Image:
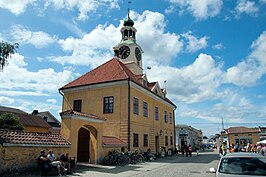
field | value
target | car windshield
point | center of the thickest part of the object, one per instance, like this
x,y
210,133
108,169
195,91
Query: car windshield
x,y
243,166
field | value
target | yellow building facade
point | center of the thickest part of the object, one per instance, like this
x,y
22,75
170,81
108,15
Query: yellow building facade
x,y
240,135
116,100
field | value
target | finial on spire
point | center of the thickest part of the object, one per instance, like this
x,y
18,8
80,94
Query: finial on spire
x,y
128,10
128,21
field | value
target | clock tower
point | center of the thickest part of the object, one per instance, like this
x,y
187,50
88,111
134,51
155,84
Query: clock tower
x,y
127,50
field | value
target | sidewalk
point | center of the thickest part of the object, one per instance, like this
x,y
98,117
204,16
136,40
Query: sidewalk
x,y
97,170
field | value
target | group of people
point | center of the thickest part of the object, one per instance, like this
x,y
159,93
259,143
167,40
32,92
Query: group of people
x,y
48,161
188,150
253,148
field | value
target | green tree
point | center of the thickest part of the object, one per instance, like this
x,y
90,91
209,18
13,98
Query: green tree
x,y
6,50
10,121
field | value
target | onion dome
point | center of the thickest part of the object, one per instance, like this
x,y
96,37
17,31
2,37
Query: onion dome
x,y
128,22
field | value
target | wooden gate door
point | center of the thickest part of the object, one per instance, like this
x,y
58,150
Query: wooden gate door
x,y
83,145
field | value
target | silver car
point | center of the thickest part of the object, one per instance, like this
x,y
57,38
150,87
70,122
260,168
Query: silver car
x,y
241,164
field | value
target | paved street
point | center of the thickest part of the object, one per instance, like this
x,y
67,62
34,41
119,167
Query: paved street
x,y
177,165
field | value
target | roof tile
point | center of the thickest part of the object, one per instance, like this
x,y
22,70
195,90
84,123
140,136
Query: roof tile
x,y
33,138
112,70
113,141
242,130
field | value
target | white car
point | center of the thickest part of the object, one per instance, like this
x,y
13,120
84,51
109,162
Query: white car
x,y
241,164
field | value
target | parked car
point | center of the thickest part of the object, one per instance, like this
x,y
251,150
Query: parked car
x,y
241,164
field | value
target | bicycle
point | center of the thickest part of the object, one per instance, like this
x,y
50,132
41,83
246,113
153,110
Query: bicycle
x,y
116,158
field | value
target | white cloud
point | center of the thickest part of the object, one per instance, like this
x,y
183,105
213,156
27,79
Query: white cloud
x,y
202,9
94,48
39,39
39,83
190,84
233,108
218,46
53,101
21,93
84,7
263,1
247,72
6,101
259,49
17,7
244,73
71,27
194,44
169,10
247,7
153,38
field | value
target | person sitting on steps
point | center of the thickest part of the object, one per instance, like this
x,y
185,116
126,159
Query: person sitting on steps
x,y
54,162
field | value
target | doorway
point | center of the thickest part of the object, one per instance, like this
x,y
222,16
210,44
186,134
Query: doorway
x,y
157,144
83,145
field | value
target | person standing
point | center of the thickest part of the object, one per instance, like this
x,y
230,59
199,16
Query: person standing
x,y
236,147
223,148
197,149
186,150
190,150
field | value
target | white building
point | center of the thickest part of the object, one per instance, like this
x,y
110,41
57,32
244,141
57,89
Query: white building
x,y
187,135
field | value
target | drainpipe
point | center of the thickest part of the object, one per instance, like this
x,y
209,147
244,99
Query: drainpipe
x,y
70,106
174,129
128,116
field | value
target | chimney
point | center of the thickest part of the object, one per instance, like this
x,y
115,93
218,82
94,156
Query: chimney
x,y
35,112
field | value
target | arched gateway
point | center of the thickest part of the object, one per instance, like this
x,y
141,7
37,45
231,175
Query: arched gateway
x,y
84,132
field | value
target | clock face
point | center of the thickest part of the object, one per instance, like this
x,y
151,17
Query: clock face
x,y
124,52
138,53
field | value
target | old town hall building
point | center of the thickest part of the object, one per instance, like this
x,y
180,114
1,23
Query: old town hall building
x,y
114,106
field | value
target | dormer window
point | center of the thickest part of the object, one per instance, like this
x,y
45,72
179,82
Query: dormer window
x,y
144,82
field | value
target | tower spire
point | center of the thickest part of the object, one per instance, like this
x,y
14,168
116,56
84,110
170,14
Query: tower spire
x,y
128,9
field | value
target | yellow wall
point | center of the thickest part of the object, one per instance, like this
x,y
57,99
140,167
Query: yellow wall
x,y
148,125
233,137
35,129
117,122
69,130
17,158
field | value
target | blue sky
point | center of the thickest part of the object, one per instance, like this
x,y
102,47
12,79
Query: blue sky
x,y
212,53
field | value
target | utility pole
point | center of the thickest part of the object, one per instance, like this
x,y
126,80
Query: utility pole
x,y
222,123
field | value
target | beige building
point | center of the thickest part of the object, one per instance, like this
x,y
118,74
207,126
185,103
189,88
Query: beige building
x,y
114,106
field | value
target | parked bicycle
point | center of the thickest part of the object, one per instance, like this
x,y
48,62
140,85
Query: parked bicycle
x,y
135,157
116,158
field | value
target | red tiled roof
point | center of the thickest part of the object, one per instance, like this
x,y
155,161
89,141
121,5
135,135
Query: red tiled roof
x,y
16,138
71,112
29,120
112,70
113,141
241,130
